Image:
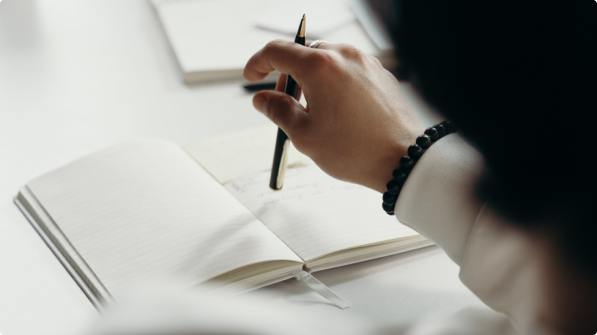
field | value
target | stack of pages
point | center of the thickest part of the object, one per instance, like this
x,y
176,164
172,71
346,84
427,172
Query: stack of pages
x,y
148,212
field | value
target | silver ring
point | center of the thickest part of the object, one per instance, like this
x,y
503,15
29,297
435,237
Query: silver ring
x,y
316,43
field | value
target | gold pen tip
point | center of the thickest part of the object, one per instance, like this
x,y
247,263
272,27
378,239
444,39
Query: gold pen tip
x,y
301,29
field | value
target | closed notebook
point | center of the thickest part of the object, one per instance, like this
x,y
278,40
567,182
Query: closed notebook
x,y
213,39
147,212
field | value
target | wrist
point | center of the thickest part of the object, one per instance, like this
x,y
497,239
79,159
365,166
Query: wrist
x,y
397,148
408,161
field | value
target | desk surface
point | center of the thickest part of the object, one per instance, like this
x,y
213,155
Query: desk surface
x,y
77,76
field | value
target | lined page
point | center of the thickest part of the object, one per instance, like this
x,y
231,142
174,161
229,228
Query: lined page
x,y
144,211
315,214
241,153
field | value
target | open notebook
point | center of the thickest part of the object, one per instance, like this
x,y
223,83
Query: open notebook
x,y
146,212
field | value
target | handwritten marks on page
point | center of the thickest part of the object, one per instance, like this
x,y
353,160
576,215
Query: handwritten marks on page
x,y
315,214
242,153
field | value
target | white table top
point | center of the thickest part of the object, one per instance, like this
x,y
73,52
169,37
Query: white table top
x,y
77,76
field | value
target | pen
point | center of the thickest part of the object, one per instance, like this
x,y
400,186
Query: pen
x,y
282,142
260,86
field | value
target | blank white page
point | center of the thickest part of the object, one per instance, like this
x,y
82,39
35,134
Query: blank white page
x,y
145,211
315,214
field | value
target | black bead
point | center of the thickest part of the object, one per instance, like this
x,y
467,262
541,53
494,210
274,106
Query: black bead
x,y
389,199
387,208
440,130
424,141
390,213
432,133
415,151
399,176
393,187
406,163
449,126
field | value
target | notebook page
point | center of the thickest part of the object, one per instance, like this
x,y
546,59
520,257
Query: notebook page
x,y
144,211
240,153
315,214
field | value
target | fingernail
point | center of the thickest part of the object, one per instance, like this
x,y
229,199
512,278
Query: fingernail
x,y
259,101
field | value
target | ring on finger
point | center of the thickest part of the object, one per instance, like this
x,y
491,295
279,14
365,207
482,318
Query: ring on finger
x,y
316,43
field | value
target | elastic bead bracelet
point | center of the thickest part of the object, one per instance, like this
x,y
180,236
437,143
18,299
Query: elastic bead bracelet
x,y
414,152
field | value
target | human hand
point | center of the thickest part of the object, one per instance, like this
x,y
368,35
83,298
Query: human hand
x,y
357,124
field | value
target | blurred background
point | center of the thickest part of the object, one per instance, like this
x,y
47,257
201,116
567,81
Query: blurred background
x,y
80,75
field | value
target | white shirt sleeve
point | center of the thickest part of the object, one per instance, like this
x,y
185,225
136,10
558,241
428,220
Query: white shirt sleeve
x,y
495,258
438,198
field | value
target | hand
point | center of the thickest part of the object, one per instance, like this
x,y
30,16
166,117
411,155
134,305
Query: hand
x,y
357,124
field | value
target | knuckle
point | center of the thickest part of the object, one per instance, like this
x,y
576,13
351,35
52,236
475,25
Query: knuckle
x,y
345,47
273,45
322,60
374,61
354,53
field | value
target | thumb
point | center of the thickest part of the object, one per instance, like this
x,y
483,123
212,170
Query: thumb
x,y
282,109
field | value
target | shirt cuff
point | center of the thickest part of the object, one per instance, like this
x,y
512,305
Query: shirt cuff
x,y
438,198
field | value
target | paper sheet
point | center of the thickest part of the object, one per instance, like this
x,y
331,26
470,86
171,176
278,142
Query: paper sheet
x,y
230,156
144,211
315,214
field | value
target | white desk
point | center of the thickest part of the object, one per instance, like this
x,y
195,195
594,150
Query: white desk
x,y
77,76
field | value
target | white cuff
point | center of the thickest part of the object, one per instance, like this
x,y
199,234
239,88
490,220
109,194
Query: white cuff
x,y
438,198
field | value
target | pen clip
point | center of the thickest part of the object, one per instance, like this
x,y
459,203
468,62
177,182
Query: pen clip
x,y
283,165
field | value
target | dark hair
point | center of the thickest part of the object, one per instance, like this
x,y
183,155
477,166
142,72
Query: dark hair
x,y
520,80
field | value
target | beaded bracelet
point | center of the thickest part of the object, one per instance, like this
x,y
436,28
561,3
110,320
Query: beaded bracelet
x,y
415,151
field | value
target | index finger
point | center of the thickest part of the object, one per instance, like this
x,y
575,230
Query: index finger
x,y
284,56
281,85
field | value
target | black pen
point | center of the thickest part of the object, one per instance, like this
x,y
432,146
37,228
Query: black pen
x,y
282,142
260,86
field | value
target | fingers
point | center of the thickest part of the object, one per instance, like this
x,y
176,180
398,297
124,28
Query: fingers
x,y
281,85
284,56
346,51
293,59
326,45
282,109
